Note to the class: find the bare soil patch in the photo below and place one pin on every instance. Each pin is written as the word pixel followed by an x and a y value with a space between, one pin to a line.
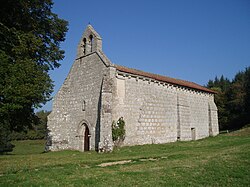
pixel 114 163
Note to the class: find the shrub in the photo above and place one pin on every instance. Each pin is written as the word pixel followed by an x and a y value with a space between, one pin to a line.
pixel 118 131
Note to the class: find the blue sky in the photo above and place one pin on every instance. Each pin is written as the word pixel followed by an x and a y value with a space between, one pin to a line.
pixel 194 40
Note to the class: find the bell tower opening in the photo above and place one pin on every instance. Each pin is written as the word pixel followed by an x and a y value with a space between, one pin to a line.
pixel 84 46
pixel 91 42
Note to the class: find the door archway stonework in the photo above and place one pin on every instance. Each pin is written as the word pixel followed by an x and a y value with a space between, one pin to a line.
pixel 84 135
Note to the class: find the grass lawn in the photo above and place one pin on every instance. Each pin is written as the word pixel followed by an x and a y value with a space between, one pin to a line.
pixel 216 161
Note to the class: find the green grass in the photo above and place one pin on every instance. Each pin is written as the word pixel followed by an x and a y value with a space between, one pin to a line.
pixel 217 161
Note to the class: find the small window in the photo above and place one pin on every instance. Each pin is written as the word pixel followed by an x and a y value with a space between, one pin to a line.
pixel 83 105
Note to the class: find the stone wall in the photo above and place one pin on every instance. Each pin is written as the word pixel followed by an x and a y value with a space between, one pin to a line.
pixel 77 104
pixel 157 112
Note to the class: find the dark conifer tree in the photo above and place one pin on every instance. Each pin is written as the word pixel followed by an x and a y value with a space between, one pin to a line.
pixel 232 99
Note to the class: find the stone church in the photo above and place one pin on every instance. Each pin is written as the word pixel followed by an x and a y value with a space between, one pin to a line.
pixel 156 109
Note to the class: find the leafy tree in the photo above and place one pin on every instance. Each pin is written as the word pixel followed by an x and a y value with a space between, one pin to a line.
pixel 30 37
pixel 41 126
pixel 36 131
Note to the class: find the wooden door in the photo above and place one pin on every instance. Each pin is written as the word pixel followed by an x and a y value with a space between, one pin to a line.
pixel 86 138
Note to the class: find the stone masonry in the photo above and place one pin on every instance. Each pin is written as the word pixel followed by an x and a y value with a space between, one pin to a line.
pixel 156 109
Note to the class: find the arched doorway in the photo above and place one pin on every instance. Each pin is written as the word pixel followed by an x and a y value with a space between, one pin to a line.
pixel 86 138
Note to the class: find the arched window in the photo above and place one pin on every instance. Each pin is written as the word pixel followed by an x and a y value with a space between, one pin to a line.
pixel 84 46
pixel 91 41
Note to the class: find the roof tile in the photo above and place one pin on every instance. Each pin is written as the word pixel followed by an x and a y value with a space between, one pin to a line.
pixel 170 80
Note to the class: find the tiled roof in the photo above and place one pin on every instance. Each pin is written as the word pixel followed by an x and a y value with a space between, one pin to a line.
pixel 170 80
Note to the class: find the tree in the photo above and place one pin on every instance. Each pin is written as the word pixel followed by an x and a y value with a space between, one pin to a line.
pixel 41 126
pixel 37 131
pixel 247 96
pixel 238 104
pixel 221 86
pixel 233 100
pixel 30 37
